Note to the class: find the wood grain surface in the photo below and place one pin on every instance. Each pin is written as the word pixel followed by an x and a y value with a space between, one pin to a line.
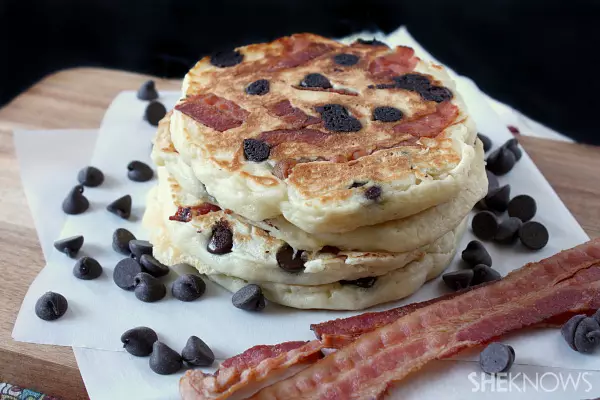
pixel 78 98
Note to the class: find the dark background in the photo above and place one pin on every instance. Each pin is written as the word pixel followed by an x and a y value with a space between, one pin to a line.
pixel 538 56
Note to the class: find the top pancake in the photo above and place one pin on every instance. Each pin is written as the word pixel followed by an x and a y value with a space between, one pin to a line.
pixel 322 157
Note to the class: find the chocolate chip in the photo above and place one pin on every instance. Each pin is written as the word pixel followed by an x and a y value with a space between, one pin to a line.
pixel 51 306
pixel 496 357
pixel 120 241
pixel 357 184
pixel 364 283
pixel 387 114
pixel 124 273
pixel 458 280
pixel 373 193
pixel 138 171
pixel 164 360
pixel 249 298
pixel 188 287
pixel 221 240
pixel 139 247
pixel 290 260
pixel 147 91
pixel 533 235
pixel 197 353
pixel 147 288
pixel 316 81
pixel 513 146
pixel 70 246
pixel 138 341
pixel 337 118
pixel 493 182
pixel 345 59
pixel 436 93
pixel 508 230
pixel 497 199
pixel 371 42
pixel 152 266
pixel 523 207
pixel 90 176
pixel 569 328
pixel 414 82
pixel 121 207
pixel 483 273
pixel 75 202
pixel 87 268
pixel 581 333
pixel 258 88
pixel 487 142
pixel 256 150
pixel 155 111
pixel 484 225
pixel 596 315
pixel 501 161
pixel 475 253
pixel 224 59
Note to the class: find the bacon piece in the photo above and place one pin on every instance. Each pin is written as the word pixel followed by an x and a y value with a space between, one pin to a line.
pixel 241 376
pixel 367 367
pixel 430 125
pixel 185 214
pixel 283 168
pixel 294 117
pixel 306 135
pixel 401 61
pixel 298 50
pixel 213 111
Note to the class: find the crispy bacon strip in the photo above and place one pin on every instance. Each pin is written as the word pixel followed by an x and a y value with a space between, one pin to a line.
pixel 401 61
pixel 213 111
pixel 298 50
pixel 185 214
pixel 241 376
pixel 306 135
pixel 430 125
pixel 367 367
pixel 294 117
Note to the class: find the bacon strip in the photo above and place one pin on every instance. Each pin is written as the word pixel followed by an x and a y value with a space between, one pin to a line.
pixel 536 292
pixel 241 376
pixel 185 214
pixel 298 50
pixel 401 61
pixel 213 111
pixel 430 125
pixel 294 117
pixel 306 135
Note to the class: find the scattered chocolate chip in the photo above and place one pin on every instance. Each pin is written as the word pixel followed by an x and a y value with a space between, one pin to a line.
pixel 90 176
pixel 345 59
pixel 139 247
pixel 458 280
pixel 70 246
pixel 436 93
pixel 75 202
pixel 569 328
pixel 256 150
pixel 501 161
pixel 51 306
pixel 483 273
pixel 188 287
pixel 596 315
pixel 249 298
pixel 513 146
pixel 387 114
pixel 87 268
pixel 138 171
pixel 147 288
pixel 164 360
pixel 259 87
pixel 290 260
pixel 475 253
pixel 414 82
pixel 487 142
pixel 496 357
pixel 221 240
pixel 373 193
pixel 152 266
pixel 197 353
pixel 357 184
pixel 147 91
pixel 224 59
pixel 497 199
pixel 121 207
pixel 484 225
pixel 492 180
pixel 364 283
pixel 315 81
pixel 337 118
pixel 523 207
pixel 124 273
pixel 371 42
pixel 138 341
pixel 155 111
pixel 582 333
pixel 533 235
pixel 508 230
pixel 120 241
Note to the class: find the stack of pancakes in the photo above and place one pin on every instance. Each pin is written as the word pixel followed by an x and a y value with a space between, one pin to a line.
pixel 342 182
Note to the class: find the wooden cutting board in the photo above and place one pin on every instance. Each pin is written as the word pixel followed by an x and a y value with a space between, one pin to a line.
pixel 78 98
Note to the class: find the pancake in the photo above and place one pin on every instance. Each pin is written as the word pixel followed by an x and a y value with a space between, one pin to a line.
pixel 380 139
